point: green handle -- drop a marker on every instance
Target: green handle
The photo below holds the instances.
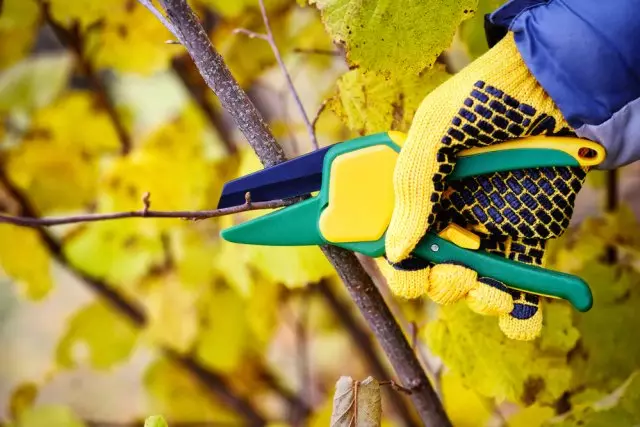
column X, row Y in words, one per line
column 516, row 275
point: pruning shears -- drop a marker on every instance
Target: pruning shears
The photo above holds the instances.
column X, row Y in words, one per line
column 354, row 199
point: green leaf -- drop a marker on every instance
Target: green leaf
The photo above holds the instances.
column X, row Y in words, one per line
column 368, row 102
column 473, row 347
column 34, row 82
column 472, row 30
column 155, row 421
column 394, row 37
column 49, row 416
column 85, row 337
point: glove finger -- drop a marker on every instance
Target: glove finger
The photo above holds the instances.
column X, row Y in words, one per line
column 449, row 283
column 490, row 297
column 409, row 278
column 524, row 322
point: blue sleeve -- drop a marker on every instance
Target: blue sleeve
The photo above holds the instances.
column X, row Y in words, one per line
column 586, row 55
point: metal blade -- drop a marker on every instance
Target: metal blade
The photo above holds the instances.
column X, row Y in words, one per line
column 294, row 177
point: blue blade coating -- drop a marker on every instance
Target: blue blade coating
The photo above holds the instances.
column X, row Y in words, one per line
column 295, row 177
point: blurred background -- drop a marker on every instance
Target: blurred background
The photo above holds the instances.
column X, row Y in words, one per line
column 104, row 324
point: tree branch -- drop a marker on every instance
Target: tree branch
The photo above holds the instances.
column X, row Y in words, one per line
column 389, row 334
column 364, row 293
column 276, row 52
column 145, row 212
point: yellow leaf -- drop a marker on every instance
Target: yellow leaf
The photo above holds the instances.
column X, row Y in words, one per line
column 18, row 25
column 61, row 151
column 193, row 249
column 291, row 266
column 368, row 103
column 261, row 313
column 85, row 338
column 402, row 36
column 121, row 252
column 24, row 258
column 224, row 337
column 172, row 312
column 173, row 163
column 133, row 40
column 462, row 404
column 85, row 12
column 176, row 394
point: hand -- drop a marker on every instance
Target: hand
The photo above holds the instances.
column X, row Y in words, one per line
column 492, row 100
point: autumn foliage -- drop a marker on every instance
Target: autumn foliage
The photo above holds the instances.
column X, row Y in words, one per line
column 98, row 109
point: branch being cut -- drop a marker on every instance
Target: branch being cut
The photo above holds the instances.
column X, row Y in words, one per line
column 268, row 37
column 364, row 293
column 145, row 212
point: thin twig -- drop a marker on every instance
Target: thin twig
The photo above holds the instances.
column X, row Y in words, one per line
column 276, row 52
column 251, row 34
column 143, row 213
column 396, row 386
column 322, row 107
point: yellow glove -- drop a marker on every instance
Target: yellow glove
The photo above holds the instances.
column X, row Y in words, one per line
column 492, row 100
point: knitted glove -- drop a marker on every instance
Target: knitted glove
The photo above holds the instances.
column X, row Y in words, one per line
column 492, row 100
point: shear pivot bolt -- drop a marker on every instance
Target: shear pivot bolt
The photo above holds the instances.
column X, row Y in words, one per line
column 435, row 248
